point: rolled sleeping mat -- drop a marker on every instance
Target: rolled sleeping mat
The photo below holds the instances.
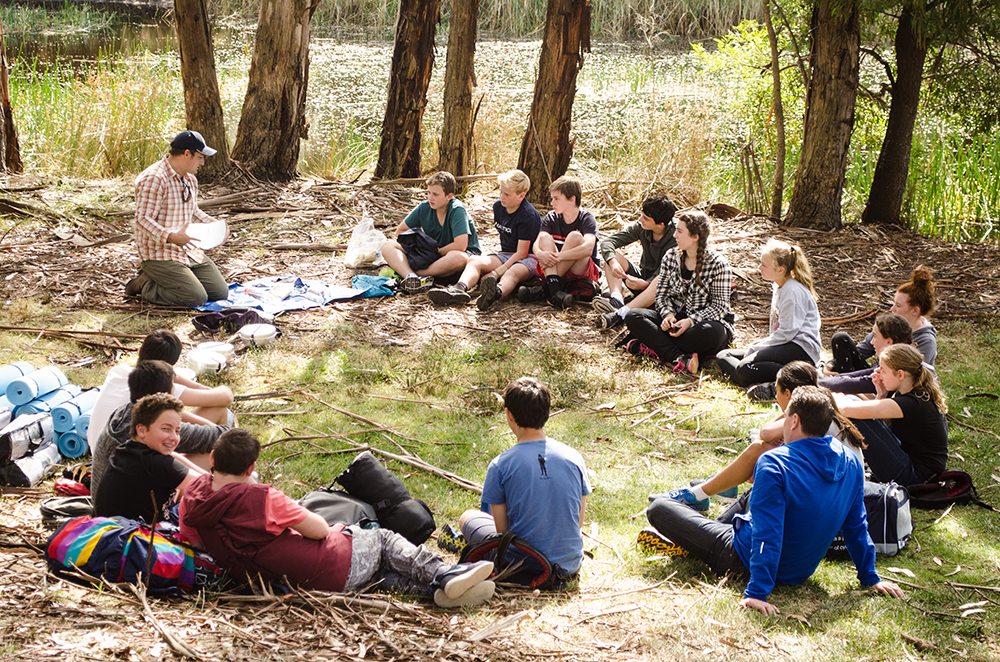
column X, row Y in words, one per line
column 46, row 403
column 82, row 425
column 367, row 479
column 25, row 434
column 410, row 518
column 30, row 470
column 12, row 371
column 25, row 389
column 6, row 411
column 64, row 415
column 71, row 445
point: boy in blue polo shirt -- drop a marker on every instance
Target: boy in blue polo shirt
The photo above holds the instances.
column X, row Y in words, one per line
column 517, row 222
column 450, row 237
column 537, row 489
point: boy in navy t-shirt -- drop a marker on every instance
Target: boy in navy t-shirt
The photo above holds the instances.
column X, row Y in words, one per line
column 517, row 222
column 537, row 489
column 566, row 248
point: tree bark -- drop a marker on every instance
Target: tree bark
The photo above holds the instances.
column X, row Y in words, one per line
column 11, row 146
column 455, row 148
column 202, row 105
column 830, row 99
column 409, row 77
column 885, row 200
column 273, row 120
column 546, row 148
column 778, row 187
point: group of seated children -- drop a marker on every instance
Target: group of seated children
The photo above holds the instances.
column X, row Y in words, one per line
column 536, row 489
column 439, row 239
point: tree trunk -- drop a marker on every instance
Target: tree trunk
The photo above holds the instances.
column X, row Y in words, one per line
column 546, row 148
column 273, row 120
column 10, row 147
column 832, row 92
column 203, row 108
column 455, row 149
column 778, row 188
column 885, row 200
column 409, row 76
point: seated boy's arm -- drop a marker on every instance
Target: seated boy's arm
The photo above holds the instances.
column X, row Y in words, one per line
column 583, row 510
column 313, row 527
column 188, row 464
column 578, row 252
column 219, row 396
column 194, row 419
column 499, row 512
column 186, row 483
column 188, row 383
column 401, row 228
column 461, row 243
column 523, row 249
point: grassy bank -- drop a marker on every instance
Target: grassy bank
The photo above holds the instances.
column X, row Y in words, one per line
column 438, row 401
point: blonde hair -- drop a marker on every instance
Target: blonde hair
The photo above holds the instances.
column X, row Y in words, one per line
column 791, row 258
column 909, row 360
column 514, row 180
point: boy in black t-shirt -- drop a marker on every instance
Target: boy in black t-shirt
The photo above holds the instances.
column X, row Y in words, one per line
column 566, row 248
column 517, row 222
column 142, row 475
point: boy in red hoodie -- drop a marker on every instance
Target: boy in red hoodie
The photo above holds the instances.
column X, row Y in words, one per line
column 253, row 529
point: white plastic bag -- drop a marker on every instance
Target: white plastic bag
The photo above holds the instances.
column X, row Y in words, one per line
column 363, row 248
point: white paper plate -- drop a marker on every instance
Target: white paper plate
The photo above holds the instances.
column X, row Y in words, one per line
column 207, row 235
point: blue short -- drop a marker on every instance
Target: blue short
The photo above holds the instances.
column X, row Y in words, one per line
column 530, row 262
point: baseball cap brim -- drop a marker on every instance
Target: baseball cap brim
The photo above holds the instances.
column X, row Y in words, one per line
column 207, row 151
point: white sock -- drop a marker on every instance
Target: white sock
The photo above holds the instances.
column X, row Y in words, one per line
column 622, row 311
column 618, row 297
column 698, row 492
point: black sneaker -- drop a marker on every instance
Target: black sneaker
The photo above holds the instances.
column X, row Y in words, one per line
column 527, row 294
column 451, row 539
column 453, row 295
column 457, row 579
column 606, row 304
column 610, row 320
column 561, row 300
column 489, row 293
column 762, row 392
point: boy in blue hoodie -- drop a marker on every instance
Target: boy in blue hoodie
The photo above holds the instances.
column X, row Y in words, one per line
column 805, row 492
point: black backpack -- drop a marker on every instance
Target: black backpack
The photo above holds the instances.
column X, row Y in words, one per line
column 338, row 507
column 889, row 521
column 949, row 487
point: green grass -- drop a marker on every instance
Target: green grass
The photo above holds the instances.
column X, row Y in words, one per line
column 829, row 617
column 69, row 19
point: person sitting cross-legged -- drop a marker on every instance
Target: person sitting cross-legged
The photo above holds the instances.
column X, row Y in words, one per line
column 805, row 492
column 253, row 529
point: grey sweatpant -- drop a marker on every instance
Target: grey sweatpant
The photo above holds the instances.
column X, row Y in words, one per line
column 380, row 555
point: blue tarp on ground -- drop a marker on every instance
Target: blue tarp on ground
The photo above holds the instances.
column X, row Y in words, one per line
column 277, row 294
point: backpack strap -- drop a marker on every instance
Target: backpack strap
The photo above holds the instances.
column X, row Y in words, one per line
column 500, row 544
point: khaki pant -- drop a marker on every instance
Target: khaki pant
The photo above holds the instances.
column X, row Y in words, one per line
column 176, row 284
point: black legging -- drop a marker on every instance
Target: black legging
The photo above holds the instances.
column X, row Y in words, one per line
column 846, row 357
column 745, row 368
column 704, row 338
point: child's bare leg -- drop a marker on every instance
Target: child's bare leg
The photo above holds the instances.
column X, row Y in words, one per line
column 646, row 298
column 614, row 282
column 512, row 278
column 573, row 240
column 738, row 471
column 395, row 257
column 447, row 264
column 476, row 267
column 217, row 415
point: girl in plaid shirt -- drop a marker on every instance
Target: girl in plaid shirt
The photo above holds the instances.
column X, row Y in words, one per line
column 692, row 313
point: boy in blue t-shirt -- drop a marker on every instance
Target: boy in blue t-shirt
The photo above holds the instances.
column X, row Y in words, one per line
column 450, row 237
column 537, row 489
column 517, row 222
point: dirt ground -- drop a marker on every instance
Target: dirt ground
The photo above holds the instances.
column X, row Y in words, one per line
column 71, row 248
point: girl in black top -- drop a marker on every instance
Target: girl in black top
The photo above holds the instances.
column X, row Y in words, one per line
column 905, row 427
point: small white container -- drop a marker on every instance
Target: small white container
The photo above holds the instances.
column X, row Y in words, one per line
column 204, row 362
column 258, row 335
column 224, row 348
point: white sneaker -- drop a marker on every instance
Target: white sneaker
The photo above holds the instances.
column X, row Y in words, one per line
column 476, row 595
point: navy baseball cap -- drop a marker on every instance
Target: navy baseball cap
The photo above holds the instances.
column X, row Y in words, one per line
column 191, row 140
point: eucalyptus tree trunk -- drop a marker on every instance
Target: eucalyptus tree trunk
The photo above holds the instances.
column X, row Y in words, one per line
column 830, row 99
column 10, row 148
column 273, row 120
column 546, row 148
column 202, row 105
column 409, row 77
column 885, row 200
column 778, row 188
column 456, row 145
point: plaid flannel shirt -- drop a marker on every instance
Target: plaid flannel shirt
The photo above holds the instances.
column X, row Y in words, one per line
column 701, row 302
column 160, row 209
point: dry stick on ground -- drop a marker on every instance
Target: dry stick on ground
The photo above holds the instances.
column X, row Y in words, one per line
column 607, row 612
column 608, row 596
column 603, row 544
column 490, row 630
column 69, row 332
column 995, row 589
column 959, row 423
column 176, row 645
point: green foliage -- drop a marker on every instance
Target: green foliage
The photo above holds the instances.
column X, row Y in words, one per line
column 23, row 20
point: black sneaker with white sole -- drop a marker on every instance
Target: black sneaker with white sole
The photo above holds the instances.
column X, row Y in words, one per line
column 610, row 320
column 453, row 295
column 606, row 304
column 489, row 292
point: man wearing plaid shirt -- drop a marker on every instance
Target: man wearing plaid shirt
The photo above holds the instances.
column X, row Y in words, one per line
column 174, row 270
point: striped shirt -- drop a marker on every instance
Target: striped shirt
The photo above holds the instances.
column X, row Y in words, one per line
column 160, row 208
column 705, row 301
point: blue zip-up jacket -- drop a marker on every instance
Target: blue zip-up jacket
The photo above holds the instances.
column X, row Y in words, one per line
column 804, row 493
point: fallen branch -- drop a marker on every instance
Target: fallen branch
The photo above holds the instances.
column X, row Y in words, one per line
column 606, row 596
column 319, row 248
column 176, row 645
column 607, row 612
column 995, row 589
column 66, row 332
column 499, row 625
column 422, row 180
